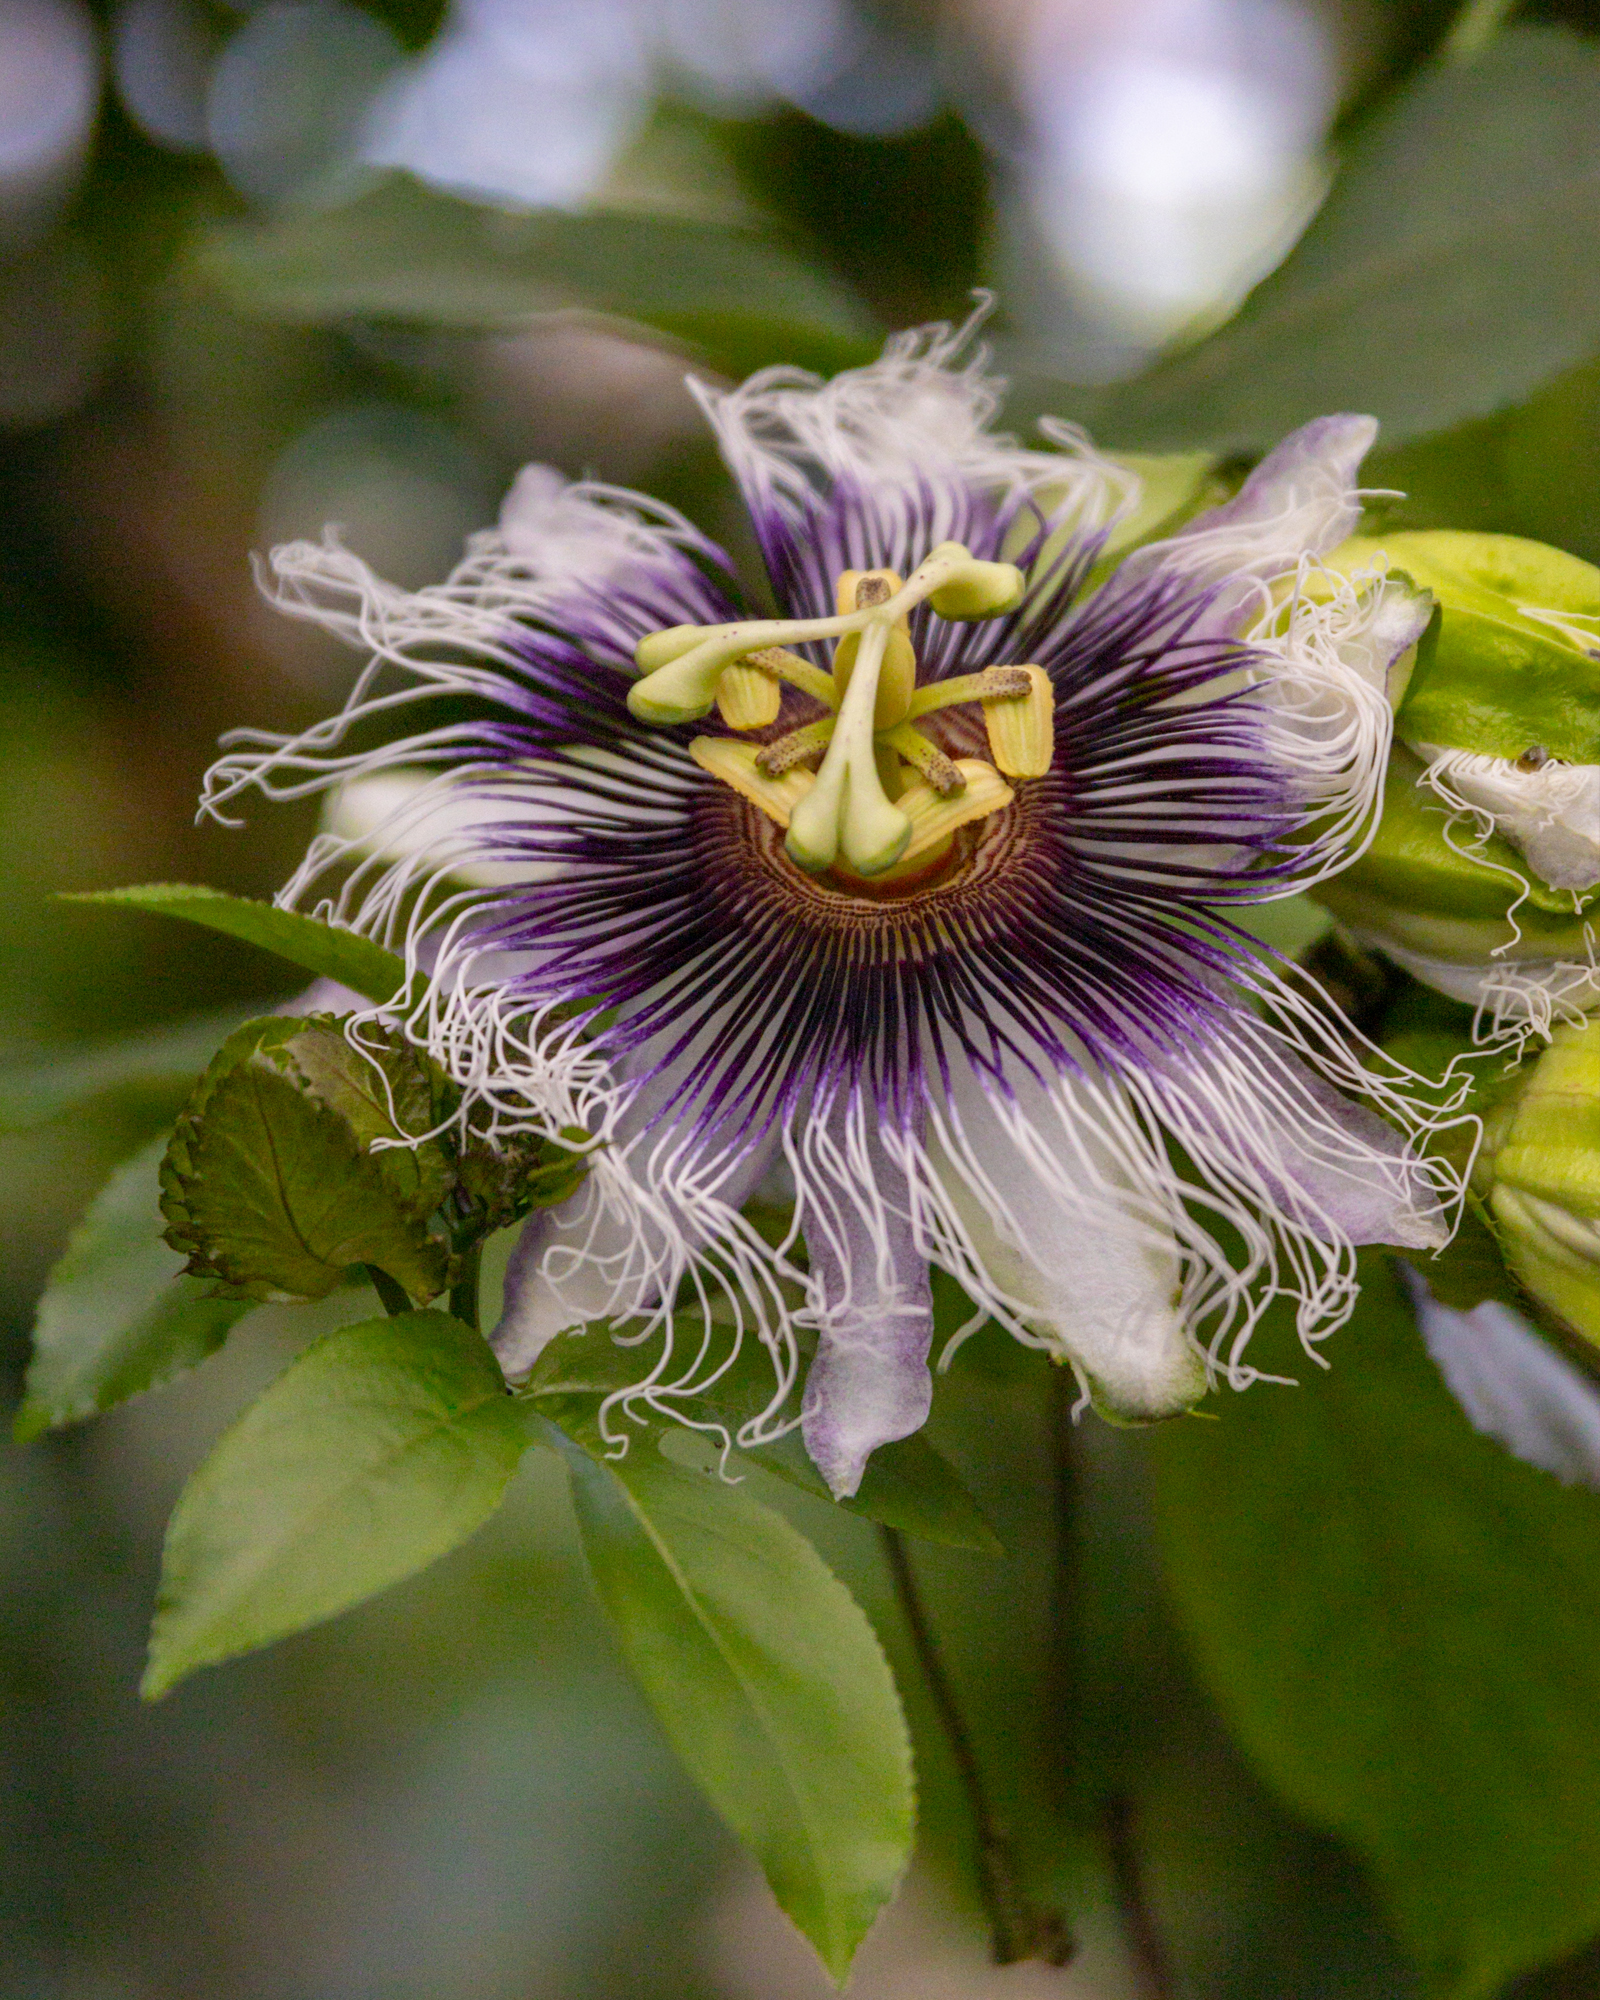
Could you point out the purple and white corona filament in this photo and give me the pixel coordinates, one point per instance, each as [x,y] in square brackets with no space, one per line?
[911,887]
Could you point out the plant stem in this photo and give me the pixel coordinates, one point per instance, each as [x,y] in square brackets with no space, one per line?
[1144,1939]
[464,1292]
[393,1299]
[1017,1929]
[1474,28]
[1066,1695]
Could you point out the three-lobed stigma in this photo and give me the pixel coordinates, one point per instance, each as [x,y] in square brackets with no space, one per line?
[861,790]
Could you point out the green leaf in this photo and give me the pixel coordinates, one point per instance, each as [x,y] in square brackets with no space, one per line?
[153,1071]
[404,251]
[324,949]
[1399,1620]
[907,1484]
[1449,273]
[381,1447]
[270,1183]
[767,1679]
[117,1316]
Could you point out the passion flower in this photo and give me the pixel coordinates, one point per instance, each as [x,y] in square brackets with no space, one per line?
[906,888]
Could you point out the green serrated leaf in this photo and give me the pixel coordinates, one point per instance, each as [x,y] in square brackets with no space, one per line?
[381,1447]
[269,1183]
[404,251]
[767,1679]
[1398,1619]
[323,949]
[117,1316]
[1449,273]
[907,1484]
[152,1071]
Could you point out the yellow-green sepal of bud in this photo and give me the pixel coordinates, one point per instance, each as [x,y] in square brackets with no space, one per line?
[1510,664]
[1540,1173]
[1413,888]
[976,589]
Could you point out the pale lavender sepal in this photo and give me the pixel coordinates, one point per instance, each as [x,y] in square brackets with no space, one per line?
[597,1246]
[869,1382]
[1301,500]
[1306,484]
[1381,1193]
[1512,1385]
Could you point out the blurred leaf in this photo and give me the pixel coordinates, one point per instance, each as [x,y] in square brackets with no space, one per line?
[117,1316]
[381,1447]
[1451,270]
[270,1182]
[907,1484]
[405,251]
[155,1070]
[324,949]
[767,1679]
[1399,1620]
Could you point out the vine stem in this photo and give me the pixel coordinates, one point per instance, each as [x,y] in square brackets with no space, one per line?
[464,1292]
[1146,1946]
[1017,1929]
[1144,1940]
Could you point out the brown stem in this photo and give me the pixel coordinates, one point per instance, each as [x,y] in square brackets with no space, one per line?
[1018,1930]
[1066,1693]
[1144,1939]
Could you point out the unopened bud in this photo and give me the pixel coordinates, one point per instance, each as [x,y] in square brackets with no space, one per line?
[1539,1171]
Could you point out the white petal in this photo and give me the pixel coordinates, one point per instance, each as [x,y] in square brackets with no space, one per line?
[869,1293]
[1551,816]
[1333,1162]
[402,815]
[1097,1280]
[1530,993]
[911,431]
[1302,499]
[620,1246]
[1513,1386]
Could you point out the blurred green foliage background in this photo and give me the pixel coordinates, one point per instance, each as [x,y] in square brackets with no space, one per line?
[219,327]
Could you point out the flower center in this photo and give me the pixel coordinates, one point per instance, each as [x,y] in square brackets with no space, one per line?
[862,790]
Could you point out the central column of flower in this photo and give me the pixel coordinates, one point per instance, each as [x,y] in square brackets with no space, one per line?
[883,795]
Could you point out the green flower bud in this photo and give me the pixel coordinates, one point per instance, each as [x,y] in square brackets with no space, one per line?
[1539,1173]
[270,1184]
[1514,662]
[1485,865]
[298,1157]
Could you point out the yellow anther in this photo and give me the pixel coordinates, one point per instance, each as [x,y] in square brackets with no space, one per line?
[1021,726]
[735,764]
[747,698]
